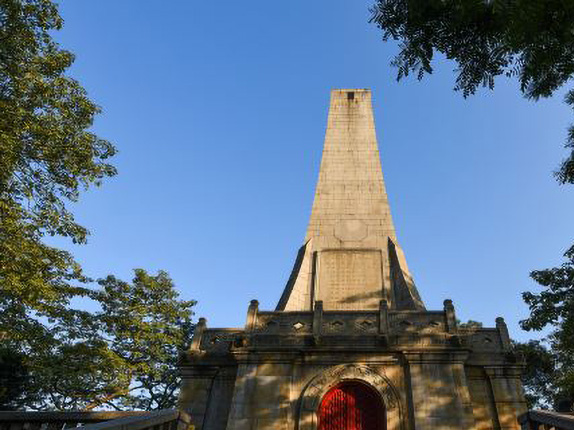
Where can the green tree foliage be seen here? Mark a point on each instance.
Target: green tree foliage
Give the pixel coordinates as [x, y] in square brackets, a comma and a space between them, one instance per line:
[554, 307]
[533, 42]
[59, 357]
[145, 326]
[13, 379]
[47, 157]
[539, 373]
[470, 325]
[530, 40]
[71, 374]
[125, 358]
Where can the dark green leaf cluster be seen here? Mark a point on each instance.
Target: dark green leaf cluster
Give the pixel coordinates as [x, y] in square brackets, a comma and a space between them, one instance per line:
[64, 358]
[530, 40]
[145, 326]
[14, 379]
[539, 373]
[48, 155]
[470, 324]
[123, 356]
[554, 307]
[566, 172]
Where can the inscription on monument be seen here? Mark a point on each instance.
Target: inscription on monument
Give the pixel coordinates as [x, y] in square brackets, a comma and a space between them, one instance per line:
[350, 279]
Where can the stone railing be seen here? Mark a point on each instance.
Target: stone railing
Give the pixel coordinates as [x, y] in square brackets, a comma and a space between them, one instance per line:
[57, 420]
[160, 420]
[338, 328]
[546, 420]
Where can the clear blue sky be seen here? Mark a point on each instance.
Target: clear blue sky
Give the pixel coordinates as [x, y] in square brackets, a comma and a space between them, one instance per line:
[218, 110]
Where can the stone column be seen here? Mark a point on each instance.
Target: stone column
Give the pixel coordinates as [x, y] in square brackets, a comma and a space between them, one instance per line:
[317, 321]
[483, 406]
[195, 345]
[252, 311]
[196, 381]
[195, 393]
[440, 395]
[508, 394]
[222, 388]
[261, 400]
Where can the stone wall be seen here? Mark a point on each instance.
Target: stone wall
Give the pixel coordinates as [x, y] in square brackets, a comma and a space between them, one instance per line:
[430, 374]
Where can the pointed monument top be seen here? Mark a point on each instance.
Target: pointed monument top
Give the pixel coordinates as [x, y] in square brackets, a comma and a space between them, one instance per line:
[351, 259]
[350, 193]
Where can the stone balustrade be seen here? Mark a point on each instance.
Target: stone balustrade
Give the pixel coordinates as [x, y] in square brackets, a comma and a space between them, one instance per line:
[132, 420]
[546, 420]
[57, 420]
[371, 329]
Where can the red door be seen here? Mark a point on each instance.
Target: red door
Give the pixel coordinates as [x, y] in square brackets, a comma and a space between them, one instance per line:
[351, 406]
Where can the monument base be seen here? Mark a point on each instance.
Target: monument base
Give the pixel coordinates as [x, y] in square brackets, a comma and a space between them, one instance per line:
[283, 370]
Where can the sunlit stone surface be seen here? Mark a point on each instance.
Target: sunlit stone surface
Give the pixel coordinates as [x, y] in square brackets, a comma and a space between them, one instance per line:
[351, 312]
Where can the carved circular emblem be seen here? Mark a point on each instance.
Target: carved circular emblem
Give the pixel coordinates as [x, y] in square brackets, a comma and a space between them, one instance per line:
[350, 230]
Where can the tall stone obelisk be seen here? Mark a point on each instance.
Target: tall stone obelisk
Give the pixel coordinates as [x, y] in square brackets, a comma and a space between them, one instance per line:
[351, 259]
[350, 345]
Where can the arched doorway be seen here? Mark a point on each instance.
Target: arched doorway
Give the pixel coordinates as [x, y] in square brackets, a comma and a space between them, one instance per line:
[351, 405]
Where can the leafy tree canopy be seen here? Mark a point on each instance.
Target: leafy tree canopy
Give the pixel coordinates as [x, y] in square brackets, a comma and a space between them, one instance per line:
[145, 326]
[48, 155]
[125, 358]
[58, 357]
[554, 307]
[533, 42]
[530, 40]
[13, 379]
[539, 373]
[470, 324]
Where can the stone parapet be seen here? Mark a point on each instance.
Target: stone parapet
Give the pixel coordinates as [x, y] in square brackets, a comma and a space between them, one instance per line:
[383, 329]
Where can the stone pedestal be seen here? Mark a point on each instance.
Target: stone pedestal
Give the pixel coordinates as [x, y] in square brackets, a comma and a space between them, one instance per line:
[274, 373]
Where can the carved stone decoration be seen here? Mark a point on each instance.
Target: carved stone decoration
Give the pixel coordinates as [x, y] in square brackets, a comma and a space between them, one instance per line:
[366, 325]
[314, 391]
[336, 326]
[218, 340]
[351, 230]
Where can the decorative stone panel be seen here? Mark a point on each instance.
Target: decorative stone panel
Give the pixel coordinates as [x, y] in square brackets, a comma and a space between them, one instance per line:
[420, 322]
[284, 322]
[484, 340]
[350, 323]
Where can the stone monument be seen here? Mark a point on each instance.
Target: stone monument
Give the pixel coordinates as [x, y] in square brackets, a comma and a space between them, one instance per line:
[350, 345]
